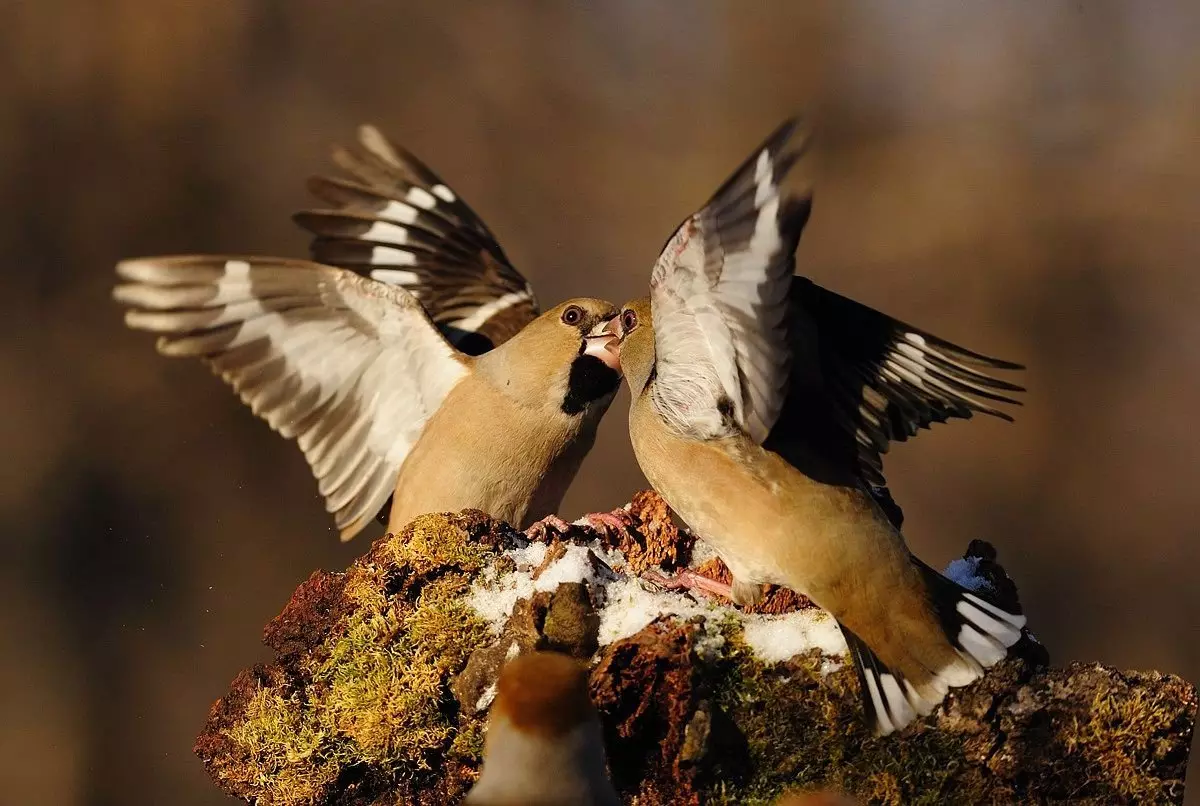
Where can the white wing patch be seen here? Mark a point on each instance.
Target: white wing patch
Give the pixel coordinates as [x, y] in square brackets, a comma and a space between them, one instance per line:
[349, 367]
[719, 295]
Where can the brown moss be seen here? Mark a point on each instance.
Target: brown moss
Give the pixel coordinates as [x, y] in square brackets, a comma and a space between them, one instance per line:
[645, 690]
[777, 600]
[654, 540]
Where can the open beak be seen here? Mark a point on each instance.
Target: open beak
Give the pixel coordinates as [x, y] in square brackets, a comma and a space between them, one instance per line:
[602, 342]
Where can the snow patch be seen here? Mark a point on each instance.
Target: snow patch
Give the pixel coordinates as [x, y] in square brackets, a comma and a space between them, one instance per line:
[627, 604]
[629, 607]
[777, 638]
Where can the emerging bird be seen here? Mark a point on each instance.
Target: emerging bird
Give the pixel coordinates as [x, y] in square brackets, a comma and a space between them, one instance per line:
[411, 365]
[544, 745]
[761, 406]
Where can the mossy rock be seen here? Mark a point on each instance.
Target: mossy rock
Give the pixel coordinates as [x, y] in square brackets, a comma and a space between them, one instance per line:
[383, 675]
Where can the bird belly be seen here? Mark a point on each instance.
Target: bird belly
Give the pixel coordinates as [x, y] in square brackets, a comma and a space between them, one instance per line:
[509, 465]
[767, 521]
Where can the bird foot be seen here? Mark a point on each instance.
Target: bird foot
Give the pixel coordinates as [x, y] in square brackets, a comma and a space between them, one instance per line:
[617, 521]
[687, 579]
[546, 528]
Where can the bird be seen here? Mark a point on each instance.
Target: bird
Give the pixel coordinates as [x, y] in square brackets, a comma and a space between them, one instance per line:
[761, 407]
[544, 745]
[408, 359]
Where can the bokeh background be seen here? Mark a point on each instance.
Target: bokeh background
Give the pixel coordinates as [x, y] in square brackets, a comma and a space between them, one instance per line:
[1021, 177]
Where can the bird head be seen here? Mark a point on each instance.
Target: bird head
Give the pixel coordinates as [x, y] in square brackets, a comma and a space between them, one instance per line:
[567, 358]
[635, 328]
[544, 743]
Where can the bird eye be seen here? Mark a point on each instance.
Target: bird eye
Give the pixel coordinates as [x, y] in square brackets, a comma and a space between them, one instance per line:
[628, 321]
[573, 315]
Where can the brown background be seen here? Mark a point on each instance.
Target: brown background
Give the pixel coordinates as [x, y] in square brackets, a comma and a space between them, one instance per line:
[1022, 177]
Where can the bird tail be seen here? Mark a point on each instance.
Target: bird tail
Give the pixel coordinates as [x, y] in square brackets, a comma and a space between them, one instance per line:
[980, 631]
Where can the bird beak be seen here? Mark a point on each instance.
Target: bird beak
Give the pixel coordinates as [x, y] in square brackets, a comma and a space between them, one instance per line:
[602, 342]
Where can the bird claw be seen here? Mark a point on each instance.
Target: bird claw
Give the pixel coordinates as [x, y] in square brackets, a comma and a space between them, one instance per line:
[548, 527]
[617, 522]
[687, 579]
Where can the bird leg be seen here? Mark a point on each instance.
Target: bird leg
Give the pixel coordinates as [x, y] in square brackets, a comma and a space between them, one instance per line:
[548, 527]
[746, 594]
[687, 579]
[617, 521]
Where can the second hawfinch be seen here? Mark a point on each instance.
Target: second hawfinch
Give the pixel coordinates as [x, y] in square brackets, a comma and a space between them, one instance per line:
[416, 369]
[544, 745]
[761, 406]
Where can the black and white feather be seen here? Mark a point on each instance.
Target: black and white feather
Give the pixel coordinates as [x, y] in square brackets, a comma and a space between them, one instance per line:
[394, 220]
[719, 294]
[980, 631]
[350, 368]
[879, 379]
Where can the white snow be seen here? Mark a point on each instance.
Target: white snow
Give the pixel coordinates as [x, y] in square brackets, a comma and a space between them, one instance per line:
[629, 604]
[777, 638]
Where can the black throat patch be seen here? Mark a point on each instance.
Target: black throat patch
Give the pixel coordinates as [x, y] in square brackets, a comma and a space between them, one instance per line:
[590, 380]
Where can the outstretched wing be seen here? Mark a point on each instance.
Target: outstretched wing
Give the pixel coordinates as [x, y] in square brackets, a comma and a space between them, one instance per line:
[863, 380]
[394, 220]
[348, 367]
[719, 295]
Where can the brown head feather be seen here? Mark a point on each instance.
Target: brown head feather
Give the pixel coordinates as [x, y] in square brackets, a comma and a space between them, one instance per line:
[543, 693]
[637, 343]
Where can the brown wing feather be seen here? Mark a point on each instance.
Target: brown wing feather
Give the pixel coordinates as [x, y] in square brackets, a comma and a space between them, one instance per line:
[396, 221]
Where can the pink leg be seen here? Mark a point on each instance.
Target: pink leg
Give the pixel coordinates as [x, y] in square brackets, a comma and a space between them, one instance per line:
[551, 524]
[618, 521]
[688, 579]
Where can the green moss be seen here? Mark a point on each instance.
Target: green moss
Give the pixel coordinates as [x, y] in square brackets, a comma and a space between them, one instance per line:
[383, 680]
[468, 742]
[803, 729]
[285, 750]
[433, 542]
[1115, 734]
[376, 692]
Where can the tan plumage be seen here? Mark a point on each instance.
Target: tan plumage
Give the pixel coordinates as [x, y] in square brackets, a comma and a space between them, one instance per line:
[439, 383]
[544, 745]
[761, 405]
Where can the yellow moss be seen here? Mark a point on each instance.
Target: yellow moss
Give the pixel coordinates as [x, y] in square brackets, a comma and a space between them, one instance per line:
[432, 542]
[364, 590]
[377, 693]
[284, 743]
[1111, 737]
[383, 680]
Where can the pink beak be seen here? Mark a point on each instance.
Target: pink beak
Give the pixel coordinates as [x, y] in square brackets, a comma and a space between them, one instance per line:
[602, 343]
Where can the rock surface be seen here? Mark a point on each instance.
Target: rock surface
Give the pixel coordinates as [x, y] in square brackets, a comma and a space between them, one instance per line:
[383, 676]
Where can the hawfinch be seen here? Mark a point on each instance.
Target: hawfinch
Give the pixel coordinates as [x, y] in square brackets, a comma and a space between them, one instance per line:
[761, 406]
[410, 365]
[544, 745]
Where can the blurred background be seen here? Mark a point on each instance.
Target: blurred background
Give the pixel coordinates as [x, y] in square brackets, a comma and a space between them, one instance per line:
[1023, 178]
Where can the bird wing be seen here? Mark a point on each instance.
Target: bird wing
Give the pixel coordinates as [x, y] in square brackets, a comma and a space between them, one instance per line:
[877, 379]
[719, 297]
[394, 220]
[349, 367]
